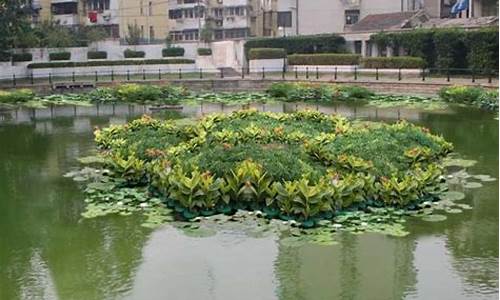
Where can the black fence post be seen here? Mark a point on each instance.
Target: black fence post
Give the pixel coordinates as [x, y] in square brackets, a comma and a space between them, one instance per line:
[32, 79]
[489, 76]
[473, 76]
[307, 72]
[128, 75]
[50, 78]
[283, 72]
[376, 73]
[112, 75]
[143, 74]
[201, 73]
[73, 76]
[296, 73]
[335, 74]
[221, 73]
[159, 74]
[243, 72]
[263, 72]
[14, 80]
[423, 74]
[96, 77]
[448, 74]
[399, 74]
[317, 73]
[355, 73]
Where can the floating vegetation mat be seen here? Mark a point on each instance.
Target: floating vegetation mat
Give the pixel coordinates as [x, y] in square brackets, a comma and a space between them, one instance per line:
[311, 173]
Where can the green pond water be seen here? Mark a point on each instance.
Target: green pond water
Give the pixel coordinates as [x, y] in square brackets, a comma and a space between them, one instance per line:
[47, 251]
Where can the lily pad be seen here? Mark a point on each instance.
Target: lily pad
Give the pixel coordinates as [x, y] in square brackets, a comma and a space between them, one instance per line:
[452, 196]
[453, 211]
[458, 162]
[434, 218]
[472, 185]
[484, 178]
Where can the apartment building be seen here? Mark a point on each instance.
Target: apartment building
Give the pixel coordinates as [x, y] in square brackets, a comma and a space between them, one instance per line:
[150, 17]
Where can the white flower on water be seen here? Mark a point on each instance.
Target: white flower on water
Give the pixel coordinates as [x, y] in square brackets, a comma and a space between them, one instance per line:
[336, 225]
[364, 224]
[119, 203]
[143, 205]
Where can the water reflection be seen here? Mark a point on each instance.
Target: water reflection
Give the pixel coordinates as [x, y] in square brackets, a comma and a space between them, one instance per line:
[49, 252]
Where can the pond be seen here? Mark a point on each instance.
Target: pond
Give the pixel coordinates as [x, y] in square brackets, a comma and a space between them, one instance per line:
[48, 251]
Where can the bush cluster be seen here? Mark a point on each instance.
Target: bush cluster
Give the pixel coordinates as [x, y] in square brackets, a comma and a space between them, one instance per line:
[478, 96]
[304, 166]
[266, 53]
[394, 62]
[323, 43]
[447, 48]
[60, 56]
[204, 51]
[97, 55]
[18, 57]
[111, 63]
[5, 56]
[173, 51]
[316, 92]
[133, 54]
[323, 59]
[16, 96]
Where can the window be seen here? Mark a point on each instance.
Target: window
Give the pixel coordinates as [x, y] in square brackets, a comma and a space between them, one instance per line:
[284, 19]
[217, 12]
[67, 8]
[142, 10]
[151, 33]
[150, 8]
[357, 47]
[175, 14]
[98, 5]
[142, 31]
[351, 16]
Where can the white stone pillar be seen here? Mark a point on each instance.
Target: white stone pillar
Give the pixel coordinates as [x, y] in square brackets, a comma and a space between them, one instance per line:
[363, 48]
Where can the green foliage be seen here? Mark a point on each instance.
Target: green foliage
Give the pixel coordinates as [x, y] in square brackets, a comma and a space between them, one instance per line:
[148, 93]
[487, 99]
[134, 35]
[5, 56]
[110, 63]
[266, 53]
[60, 56]
[22, 57]
[316, 92]
[394, 62]
[447, 47]
[97, 55]
[324, 43]
[204, 51]
[128, 53]
[16, 96]
[323, 59]
[172, 51]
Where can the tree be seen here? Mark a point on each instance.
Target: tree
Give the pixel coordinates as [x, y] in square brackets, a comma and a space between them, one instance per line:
[14, 22]
[134, 36]
[207, 32]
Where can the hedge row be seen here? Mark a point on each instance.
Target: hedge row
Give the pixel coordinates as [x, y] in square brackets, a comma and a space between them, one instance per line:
[447, 48]
[134, 54]
[204, 51]
[266, 53]
[111, 63]
[394, 62]
[174, 51]
[60, 56]
[97, 55]
[323, 43]
[323, 59]
[22, 57]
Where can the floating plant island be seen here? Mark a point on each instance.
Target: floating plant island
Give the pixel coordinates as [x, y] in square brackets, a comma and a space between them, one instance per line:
[306, 168]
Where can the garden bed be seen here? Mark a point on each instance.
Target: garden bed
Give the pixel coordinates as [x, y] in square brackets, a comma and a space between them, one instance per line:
[307, 167]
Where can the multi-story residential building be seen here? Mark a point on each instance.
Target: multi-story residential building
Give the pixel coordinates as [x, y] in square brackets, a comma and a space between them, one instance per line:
[150, 17]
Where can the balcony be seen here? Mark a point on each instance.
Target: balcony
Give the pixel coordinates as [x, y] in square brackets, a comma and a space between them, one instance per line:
[106, 17]
[66, 20]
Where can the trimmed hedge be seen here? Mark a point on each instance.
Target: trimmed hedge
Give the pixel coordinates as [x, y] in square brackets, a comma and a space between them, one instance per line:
[174, 51]
[322, 43]
[5, 56]
[204, 51]
[133, 54]
[97, 55]
[60, 56]
[266, 53]
[111, 63]
[323, 59]
[394, 62]
[447, 47]
[22, 57]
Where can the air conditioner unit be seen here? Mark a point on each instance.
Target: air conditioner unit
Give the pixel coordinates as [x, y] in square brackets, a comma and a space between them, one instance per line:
[106, 17]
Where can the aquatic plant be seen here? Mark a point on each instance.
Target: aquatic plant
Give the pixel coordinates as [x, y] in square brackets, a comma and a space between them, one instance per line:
[305, 166]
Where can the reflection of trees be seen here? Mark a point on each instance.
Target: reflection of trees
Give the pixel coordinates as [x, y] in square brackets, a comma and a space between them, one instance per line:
[360, 267]
[46, 249]
[472, 237]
